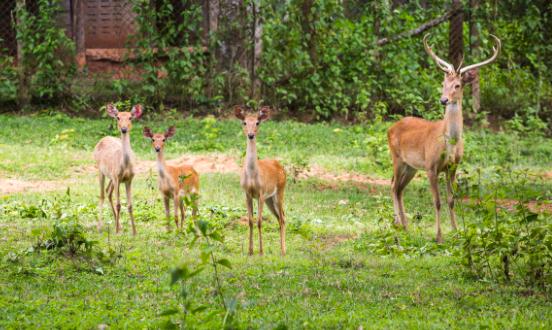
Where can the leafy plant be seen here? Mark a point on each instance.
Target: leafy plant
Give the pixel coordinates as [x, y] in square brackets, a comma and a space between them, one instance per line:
[207, 235]
[47, 51]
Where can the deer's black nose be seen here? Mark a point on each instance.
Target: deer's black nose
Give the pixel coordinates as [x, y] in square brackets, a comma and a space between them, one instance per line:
[124, 130]
[157, 149]
[444, 100]
[251, 136]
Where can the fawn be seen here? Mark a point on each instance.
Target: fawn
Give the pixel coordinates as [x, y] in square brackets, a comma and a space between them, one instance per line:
[264, 180]
[175, 180]
[114, 159]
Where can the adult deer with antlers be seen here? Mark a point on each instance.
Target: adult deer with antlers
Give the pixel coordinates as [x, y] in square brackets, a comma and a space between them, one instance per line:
[264, 180]
[433, 146]
[115, 159]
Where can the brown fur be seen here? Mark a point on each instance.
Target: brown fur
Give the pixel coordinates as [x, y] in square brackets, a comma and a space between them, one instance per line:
[264, 180]
[170, 173]
[417, 144]
[114, 160]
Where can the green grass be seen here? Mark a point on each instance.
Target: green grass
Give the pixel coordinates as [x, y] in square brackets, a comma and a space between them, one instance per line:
[333, 275]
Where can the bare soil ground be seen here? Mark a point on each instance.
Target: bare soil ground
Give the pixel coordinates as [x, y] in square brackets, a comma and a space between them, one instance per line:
[227, 164]
[202, 164]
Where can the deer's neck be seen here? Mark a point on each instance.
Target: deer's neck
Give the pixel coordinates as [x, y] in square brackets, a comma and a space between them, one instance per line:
[251, 165]
[127, 151]
[454, 122]
[161, 165]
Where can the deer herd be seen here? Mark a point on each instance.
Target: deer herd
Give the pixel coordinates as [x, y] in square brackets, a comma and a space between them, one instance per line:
[414, 144]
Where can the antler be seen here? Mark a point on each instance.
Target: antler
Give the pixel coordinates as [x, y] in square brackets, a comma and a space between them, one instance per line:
[496, 50]
[442, 64]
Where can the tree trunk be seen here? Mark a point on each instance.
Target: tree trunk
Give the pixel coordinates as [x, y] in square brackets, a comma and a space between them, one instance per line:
[456, 40]
[23, 88]
[256, 49]
[475, 50]
[211, 9]
[78, 32]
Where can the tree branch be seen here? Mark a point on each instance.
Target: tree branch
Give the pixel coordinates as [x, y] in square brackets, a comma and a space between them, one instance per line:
[420, 29]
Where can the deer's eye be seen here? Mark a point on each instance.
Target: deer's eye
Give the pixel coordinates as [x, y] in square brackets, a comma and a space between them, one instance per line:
[164, 140]
[118, 118]
[257, 123]
[457, 86]
[244, 123]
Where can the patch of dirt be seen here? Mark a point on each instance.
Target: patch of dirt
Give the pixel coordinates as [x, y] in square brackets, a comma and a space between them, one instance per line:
[211, 164]
[320, 173]
[202, 164]
[331, 241]
[11, 186]
[510, 205]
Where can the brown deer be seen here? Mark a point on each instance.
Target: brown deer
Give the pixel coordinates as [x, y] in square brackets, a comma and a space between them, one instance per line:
[175, 180]
[114, 159]
[264, 180]
[433, 146]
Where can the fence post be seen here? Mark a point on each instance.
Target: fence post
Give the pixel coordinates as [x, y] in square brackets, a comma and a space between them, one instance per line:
[23, 93]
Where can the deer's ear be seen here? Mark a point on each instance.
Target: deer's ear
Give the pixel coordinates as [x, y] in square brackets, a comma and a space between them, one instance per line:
[264, 113]
[147, 132]
[239, 112]
[136, 111]
[112, 110]
[469, 76]
[170, 132]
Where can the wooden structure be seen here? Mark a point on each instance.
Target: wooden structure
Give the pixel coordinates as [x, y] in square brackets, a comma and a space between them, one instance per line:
[100, 28]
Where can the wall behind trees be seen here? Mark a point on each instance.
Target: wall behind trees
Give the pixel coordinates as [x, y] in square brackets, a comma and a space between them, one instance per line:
[315, 59]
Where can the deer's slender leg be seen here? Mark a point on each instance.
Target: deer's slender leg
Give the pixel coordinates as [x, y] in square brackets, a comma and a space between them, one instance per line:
[433, 177]
[249, 204]
[451, 177]
[406, 177]
[260, 222]
[182, 211]
[281, 219]
[402, 175]
[128, 189]
[109, 190]
[116, 186]
[175, 204]
[195, 209]
[100, 205]
[167, 212]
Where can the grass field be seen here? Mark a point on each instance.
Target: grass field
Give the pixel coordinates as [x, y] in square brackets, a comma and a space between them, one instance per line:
[337, 274]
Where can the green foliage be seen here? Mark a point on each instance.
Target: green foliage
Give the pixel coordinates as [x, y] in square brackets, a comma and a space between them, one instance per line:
[210, 234]
[169, 53]
[507, 241]
[47, 51]
[8, 78]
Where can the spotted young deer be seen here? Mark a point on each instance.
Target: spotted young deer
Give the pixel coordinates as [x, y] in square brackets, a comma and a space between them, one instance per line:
[114, 159]
[264, 180]
[433, 146]
[175, 180]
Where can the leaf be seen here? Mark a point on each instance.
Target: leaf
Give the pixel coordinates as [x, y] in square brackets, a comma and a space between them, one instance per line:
[203, 226]
[168, 312]
[199, 309]
[225, 262]
[176, 275]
